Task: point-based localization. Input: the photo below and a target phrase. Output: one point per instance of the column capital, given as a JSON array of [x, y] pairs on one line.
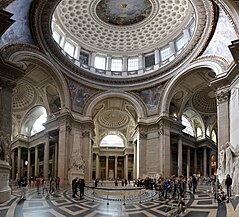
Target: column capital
[[223, 95]]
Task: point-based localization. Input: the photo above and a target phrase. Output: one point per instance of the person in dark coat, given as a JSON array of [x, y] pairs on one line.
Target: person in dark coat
[[194, 183], [82, 187], [228, 184]]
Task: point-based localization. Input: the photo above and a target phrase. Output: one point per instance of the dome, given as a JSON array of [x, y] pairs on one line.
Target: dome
[[113, 43]]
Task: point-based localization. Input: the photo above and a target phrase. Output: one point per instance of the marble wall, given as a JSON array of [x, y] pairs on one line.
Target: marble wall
[[234, 116]]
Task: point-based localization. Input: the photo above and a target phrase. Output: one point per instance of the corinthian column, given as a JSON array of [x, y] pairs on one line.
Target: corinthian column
[[223, 96], [8, 75]]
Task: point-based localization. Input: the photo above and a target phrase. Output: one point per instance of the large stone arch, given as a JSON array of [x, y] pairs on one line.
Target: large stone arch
[[215, 67], [23, 55], [140, 109]]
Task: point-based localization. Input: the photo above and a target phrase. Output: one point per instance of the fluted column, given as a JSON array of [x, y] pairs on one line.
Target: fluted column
[[223, 97], [135, 162], [180, 156], [107, 167], [9, 73], [195, 161], [55, 160], [87, 151], [46, 157], [28, 164], [126, 166], [205, 161], [116, 166], [13, 165], [97, 165], [188, 162], [19, 161], [36, 161]]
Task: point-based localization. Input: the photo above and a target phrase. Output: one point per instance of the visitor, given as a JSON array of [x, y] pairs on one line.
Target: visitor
[[228, 184], [57, 179], [194, 183], [74, 186], [82, 187]]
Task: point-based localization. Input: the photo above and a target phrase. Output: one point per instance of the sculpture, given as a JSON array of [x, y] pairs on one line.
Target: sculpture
[[4, 147], [230, 153], [77, 162], [235, 178]]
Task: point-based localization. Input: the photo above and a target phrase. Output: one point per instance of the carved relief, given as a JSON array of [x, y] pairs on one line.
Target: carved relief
[[77, 163], [5, 146]]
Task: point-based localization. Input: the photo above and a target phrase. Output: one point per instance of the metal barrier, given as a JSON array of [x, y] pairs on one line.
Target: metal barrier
[[125, 195]]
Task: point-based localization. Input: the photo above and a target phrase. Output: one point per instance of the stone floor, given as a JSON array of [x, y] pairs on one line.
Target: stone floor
[[202, 204]]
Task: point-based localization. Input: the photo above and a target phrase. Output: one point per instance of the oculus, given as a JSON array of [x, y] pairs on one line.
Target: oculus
[[123, 13]]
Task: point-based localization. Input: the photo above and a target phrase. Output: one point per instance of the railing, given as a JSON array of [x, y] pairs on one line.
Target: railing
[[125, 195]]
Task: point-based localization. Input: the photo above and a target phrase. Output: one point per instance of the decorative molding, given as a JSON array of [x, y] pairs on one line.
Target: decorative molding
[[223, 95]]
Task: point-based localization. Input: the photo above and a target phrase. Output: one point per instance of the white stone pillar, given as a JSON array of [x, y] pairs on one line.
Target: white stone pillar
[[92, 59], [125, 64], [156, 56], [107, 167], [36, 161], [165, 148], [188, 162], [135, 162], [126, 166], [46, 158], [142, 153], [172, 47], [186, 34], [180, 156], [223, 97], [141, 61], [13, 165], [87, 152], [195, 161], [63, 41], [205, 161], [116, 166], [97, 165], [28, 164], [63, 151], [19, 161], [108, 63], [77, 52], [55, 160]]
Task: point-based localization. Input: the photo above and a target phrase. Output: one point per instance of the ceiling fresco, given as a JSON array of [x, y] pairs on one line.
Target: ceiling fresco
[[122, 13]]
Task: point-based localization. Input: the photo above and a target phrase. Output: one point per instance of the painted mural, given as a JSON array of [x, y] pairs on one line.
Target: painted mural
[[123, 13], [151, 98], [222, 38], [20, 30], [79, 95]]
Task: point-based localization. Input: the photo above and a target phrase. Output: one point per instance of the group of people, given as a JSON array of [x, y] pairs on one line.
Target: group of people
[[78, 185], [43, 186]]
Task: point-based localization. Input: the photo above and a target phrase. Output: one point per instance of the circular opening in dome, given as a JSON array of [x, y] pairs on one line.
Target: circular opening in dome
[[123, 13]]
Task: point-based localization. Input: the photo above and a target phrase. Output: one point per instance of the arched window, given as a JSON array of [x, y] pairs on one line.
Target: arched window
[[33, 121], [208, 132], [38, 125], [199, 132], [186, 123], [214, 136], [112, 141]]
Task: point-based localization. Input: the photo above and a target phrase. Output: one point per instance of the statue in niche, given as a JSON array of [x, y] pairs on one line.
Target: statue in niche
[[77, 163], [230, 152], [222, 159], [4, 147], [235, 177]]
